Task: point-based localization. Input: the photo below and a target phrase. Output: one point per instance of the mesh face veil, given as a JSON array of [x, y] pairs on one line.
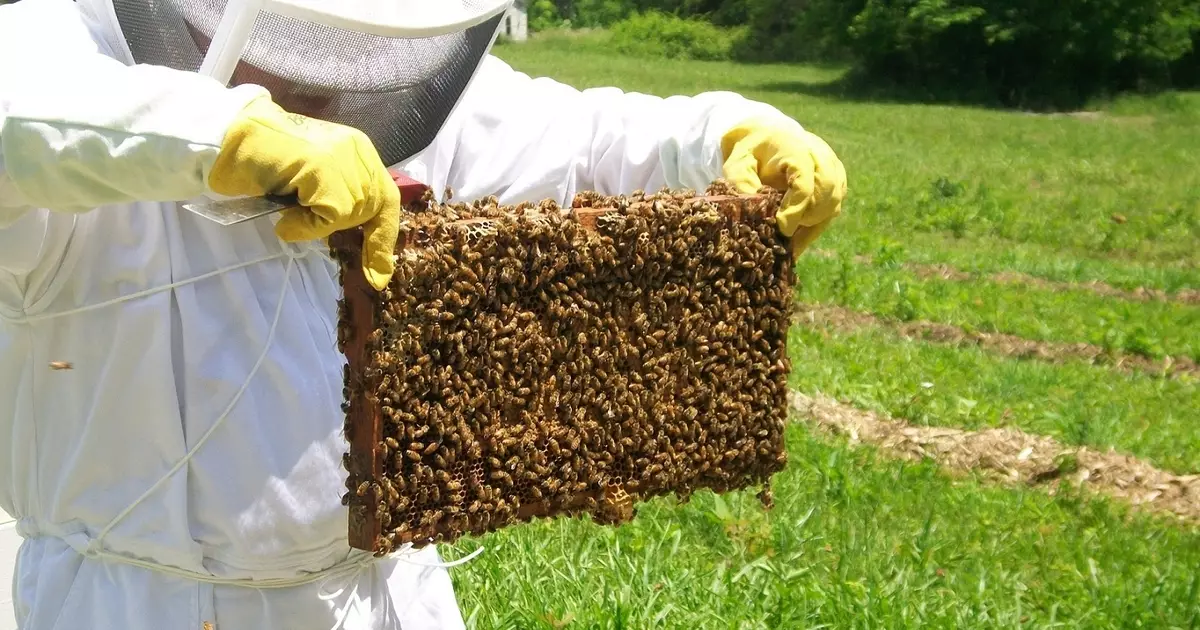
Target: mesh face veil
[[392, 68]]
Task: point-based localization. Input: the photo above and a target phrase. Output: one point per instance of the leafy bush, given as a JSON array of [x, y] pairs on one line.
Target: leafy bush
[[1028, 52], [1185, 71], [657, 34], [605, 12], [596, 13], [543, 15], [797, 30]]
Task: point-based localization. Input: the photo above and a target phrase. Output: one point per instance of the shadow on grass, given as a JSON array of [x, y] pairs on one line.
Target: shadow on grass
[[852, 89]]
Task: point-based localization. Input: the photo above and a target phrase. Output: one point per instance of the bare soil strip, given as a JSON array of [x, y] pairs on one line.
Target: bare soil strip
[[999, 343], [1140, 294], [1011, 457], [946, 272]]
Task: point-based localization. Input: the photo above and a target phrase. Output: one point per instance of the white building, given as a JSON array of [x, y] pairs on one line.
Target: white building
[[516, 22]]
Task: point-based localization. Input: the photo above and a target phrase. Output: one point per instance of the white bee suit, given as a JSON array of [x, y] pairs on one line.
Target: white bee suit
[[187, 469]]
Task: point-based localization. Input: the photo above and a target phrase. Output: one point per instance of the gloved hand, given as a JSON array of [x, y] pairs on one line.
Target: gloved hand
[[334, 170], [762, 151]]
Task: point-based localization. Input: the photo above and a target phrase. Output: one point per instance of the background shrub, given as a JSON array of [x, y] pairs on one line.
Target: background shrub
[[657, 34], [1039, 54], [543, 15], [1030, 53]]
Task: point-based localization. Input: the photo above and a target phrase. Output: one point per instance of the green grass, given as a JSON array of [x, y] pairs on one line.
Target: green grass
[[853, 542], [933, 384], [954, 176], [857, 541], [988, 255], [1153, 329]]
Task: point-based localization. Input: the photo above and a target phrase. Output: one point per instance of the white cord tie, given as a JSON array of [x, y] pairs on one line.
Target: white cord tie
[[26, 319]]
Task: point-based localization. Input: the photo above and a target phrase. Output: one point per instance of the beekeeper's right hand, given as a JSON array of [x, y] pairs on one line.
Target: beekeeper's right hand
[[334, 170]]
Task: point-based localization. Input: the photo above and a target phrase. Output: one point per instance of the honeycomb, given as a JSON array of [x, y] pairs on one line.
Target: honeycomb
[[533, 361]]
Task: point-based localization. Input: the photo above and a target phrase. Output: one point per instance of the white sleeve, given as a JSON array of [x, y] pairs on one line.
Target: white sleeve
[[523, 138], [79, 129]]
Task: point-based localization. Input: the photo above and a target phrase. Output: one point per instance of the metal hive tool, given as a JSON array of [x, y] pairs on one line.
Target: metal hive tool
[[532, 361]]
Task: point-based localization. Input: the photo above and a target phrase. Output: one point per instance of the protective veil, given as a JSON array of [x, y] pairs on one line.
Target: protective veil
[[392, 69], [187, 469]]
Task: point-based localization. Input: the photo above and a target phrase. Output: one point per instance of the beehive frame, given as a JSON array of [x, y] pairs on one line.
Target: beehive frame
[[390, 462]]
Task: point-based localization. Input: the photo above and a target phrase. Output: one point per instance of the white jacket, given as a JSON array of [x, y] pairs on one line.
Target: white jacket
[[136, 516], [8, 556]]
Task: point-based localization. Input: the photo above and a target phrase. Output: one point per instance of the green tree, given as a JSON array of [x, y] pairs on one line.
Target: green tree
[[1024, 52]]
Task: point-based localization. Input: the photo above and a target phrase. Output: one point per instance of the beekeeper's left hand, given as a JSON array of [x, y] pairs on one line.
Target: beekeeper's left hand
[[763, 151]]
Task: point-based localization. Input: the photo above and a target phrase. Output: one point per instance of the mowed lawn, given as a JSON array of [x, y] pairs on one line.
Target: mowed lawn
[[858, 540]]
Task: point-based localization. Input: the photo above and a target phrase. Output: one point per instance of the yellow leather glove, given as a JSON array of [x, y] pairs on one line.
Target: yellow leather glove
[[334, 170], [762, 151]]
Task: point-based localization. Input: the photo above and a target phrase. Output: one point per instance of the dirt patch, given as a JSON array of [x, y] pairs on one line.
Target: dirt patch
[[1011, 457], [946, 272], [1140, 294], [999, 343]]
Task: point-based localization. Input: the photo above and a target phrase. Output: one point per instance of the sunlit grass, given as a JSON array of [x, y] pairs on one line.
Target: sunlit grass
[[857, 541], [965, 173], [1148, 328], [853, 542], [934, 384]]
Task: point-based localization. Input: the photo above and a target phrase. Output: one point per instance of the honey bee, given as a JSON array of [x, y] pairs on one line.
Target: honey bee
[[390, 490], [432, 517], [500, 475]]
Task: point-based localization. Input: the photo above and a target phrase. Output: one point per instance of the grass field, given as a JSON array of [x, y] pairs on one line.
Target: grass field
[[857, 539]]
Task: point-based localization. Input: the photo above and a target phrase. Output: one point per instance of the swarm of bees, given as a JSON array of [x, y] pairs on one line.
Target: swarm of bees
[[534, 361]]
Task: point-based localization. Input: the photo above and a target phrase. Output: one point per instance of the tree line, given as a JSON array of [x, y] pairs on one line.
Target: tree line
[[1023, 53]]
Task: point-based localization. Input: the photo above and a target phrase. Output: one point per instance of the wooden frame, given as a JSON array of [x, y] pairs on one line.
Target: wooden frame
[[365, 420]]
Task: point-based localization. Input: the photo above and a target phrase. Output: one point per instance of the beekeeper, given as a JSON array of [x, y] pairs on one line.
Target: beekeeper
[[172, 437]]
